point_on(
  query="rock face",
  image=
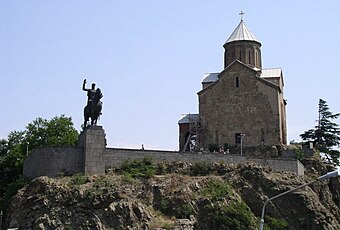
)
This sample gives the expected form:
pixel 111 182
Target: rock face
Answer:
pixel 229 198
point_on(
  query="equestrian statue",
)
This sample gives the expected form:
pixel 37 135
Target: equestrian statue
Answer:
pixel 93 107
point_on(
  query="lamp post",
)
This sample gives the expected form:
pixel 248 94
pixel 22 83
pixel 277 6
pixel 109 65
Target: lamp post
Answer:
pixel 27 148
pixel 334 173
pixel 241 140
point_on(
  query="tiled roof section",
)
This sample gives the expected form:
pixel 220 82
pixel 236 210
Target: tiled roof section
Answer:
pixel 210 77
pixel 242 33
pixel 273 72
pixel 189 118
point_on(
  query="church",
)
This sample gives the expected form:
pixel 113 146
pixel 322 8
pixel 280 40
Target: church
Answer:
pixel 243 103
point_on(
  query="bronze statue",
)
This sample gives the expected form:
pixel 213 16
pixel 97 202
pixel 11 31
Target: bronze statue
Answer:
pixel 94 105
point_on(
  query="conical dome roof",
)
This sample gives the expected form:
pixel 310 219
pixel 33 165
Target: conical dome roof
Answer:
pixel 242 33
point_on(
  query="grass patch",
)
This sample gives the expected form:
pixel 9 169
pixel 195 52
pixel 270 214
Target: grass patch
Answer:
pixel 162 222
pixel 216 189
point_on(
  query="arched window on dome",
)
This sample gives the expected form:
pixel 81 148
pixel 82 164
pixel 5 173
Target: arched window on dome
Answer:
pixel 249 56
pixel 255 58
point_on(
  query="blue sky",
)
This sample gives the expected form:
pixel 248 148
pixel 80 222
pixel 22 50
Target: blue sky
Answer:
pixel 149 57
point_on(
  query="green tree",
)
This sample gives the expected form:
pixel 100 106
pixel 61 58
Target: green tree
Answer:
pixel 55 132
pixel 58 131
pixel 326 134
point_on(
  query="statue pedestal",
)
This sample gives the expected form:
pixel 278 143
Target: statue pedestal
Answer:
pixel 93 142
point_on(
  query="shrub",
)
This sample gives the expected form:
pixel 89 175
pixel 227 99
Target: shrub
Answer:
pixel 234 216
pixel 275 224
pixel 201 169
pixel 173 207
pixel 139 168
pixel 216 190
pixel 79 179
pixel 213 147
pixel 126 177
pixel 12 189
pixel 300 155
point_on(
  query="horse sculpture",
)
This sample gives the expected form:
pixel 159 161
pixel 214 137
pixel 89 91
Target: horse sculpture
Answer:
pixel 93 109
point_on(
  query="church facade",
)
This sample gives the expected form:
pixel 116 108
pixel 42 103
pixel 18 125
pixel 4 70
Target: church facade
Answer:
pixel 243 103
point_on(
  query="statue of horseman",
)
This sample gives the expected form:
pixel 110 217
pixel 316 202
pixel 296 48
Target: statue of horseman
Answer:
pixel 93 107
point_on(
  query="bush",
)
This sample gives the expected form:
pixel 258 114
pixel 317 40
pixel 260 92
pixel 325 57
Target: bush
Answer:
pixel 275 224
pixel 300 155
pixel 201 169
pixel 234 216
pixel 139 168
pixel 79 179
pixel 213 147
pixel 173 207
pixel 11 190
pixel 216 190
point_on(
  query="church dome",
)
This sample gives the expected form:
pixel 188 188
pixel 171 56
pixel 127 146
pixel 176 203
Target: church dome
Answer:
pixel 242 33
pixel 242 45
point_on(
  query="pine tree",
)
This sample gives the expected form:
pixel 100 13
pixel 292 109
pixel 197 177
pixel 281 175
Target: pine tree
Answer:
pixel 326 134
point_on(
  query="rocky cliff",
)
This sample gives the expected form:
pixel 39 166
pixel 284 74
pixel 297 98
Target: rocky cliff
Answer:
pixel 179 196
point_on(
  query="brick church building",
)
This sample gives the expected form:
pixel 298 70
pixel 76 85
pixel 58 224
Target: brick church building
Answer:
pixel 244 102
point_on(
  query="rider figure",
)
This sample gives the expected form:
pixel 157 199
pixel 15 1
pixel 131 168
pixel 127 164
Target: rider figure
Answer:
pixel 90 94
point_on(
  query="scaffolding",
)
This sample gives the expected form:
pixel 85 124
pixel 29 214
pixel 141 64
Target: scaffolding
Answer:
pixel 193 134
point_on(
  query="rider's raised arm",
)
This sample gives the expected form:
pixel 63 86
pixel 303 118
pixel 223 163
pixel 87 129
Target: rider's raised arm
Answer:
pixel 84 82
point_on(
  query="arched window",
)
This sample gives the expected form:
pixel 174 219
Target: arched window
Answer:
pixel 255 58
pixel 249 57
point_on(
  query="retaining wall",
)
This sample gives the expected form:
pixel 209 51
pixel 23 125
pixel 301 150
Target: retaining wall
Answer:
pixel 92 157
pixel 51 161
pixel 114 157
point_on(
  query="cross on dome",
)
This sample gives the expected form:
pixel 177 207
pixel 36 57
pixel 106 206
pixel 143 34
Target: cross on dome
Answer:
pixel 241 14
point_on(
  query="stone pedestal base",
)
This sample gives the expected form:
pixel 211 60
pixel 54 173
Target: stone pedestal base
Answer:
pixel 93 142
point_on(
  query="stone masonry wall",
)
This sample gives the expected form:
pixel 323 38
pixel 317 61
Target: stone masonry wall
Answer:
pixel 51 161
pixel 93 142
pixel 92 157
pixel 114 157
pixel 252 108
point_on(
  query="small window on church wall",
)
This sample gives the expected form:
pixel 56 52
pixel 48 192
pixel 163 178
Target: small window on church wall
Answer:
pixel 237 82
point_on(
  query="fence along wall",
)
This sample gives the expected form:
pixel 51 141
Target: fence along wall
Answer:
pixel 92 157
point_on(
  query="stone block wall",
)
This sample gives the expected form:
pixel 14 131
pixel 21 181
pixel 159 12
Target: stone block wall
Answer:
pixel 115 157
pixel 281 164
pixel 249 106
pixel 51 161
pixel 92 157
pixel 93 142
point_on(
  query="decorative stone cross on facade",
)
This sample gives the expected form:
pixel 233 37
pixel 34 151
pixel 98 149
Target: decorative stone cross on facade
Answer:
pixel 241 13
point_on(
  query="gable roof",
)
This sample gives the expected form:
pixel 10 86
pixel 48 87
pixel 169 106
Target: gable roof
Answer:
pixel 242 33
pixel 210 77
pixel 267 73
pixel 189 118
pixel 214 77
pixel 274 75
pixel 272 72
